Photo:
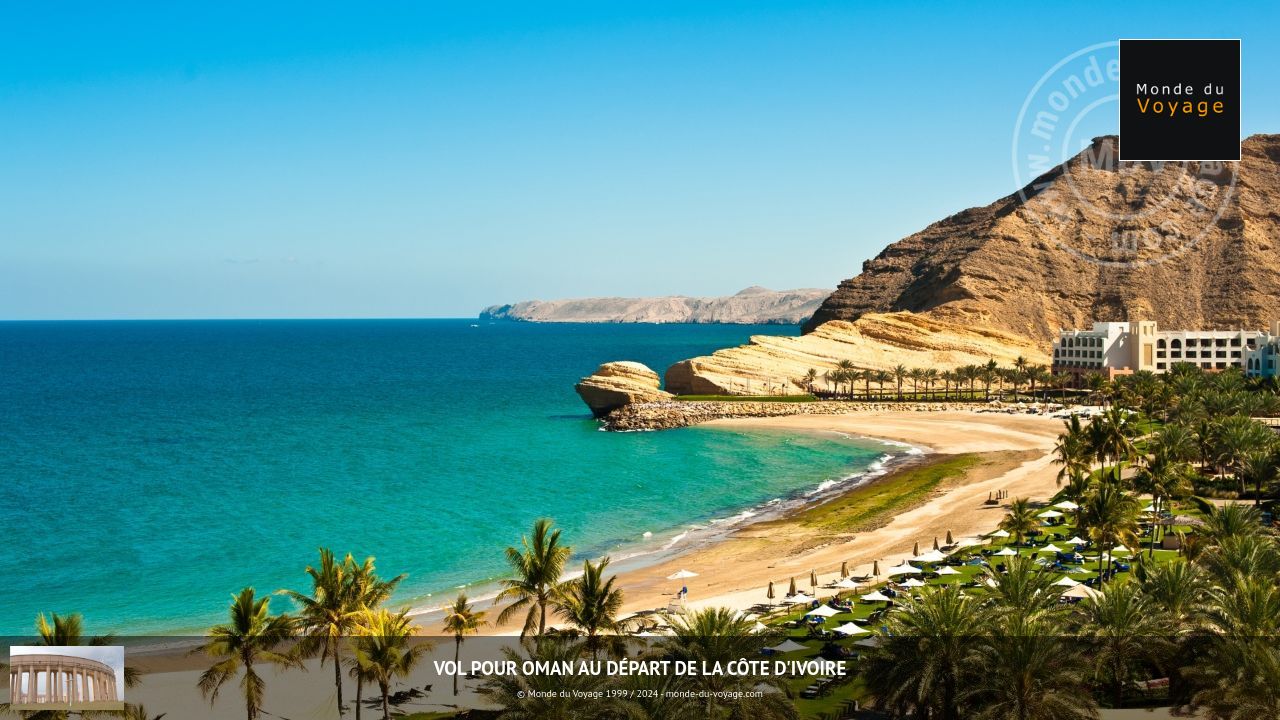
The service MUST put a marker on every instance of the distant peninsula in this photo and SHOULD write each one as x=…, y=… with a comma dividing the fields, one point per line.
x=754, y=305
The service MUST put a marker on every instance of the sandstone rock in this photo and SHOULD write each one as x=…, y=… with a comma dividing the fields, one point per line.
x=1019, y=265
x=616, y=384
x=770, y=365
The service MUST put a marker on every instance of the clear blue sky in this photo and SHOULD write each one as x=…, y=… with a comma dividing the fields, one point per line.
x=428, y=158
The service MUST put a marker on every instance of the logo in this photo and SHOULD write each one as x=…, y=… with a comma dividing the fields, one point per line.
x=1077, y=193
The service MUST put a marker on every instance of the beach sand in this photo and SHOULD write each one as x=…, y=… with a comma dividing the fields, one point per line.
x=735, y=570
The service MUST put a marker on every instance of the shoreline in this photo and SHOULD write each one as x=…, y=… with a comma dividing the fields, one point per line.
x=735, y=570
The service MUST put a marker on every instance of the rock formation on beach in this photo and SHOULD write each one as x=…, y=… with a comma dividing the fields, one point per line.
x=770, y=364
x=615, y=384
x=1020, y=264
x=750, y=306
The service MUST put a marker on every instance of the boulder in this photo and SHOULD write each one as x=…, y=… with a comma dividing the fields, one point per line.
x=615, y=384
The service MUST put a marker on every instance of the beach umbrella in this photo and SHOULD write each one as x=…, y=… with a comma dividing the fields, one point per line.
x=935, y=542
x=849, y=628
x=1081, y=591
x=1119, y=549
x=681, y=574
x=788, y=646
x=948, y=570
x=1050, y=514
x=769, y=592
x=825, y=611
x=1006, y=552
x=1066, y=582
x=759, y=627
x=1050, y=548
x=999, y=534
x=913, y=583
x=949, y=540
x=844, y=568
x=1067, y=505
x=1078, y=541
x=875, y=568
x=800, y=599
x=932, y=556
x=876, y=596
x=813, y=578
x=916, y=550
x=903, y=569
x=848, y=584
x=792, y=590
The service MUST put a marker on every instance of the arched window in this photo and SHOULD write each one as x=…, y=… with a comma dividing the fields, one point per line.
x=1160, y=343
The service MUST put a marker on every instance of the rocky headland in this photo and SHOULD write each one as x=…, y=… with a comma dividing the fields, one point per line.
x=754, y=305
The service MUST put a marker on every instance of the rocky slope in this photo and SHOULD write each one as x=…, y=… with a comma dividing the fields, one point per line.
x=770, y=364
x=752, y=305
x=1093, y=241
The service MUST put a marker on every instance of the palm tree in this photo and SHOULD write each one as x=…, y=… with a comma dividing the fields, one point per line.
x=461, y=620
x=252, y=636
x=591, y=603
x=882, y=378
x=1072, y=450
x=1111, y=437
x=1233, y=520
x=1110, y=514
x=1020, y=520
x=718, y=636
x=1125, y=629
x=1025, y=670
x=139, y=712
x=900, y=373
x=1024, y=586
x=385, y=650
x=1260, y=469
x=339, y=589
x=538, y=565
x=1165, y=480
x=810, y=378
x=919, y=667
x=1235, y=438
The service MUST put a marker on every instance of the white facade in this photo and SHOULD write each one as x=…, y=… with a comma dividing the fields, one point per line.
x=1113, y=348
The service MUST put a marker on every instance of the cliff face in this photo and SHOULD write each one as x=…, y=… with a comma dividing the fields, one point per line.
x=753, y=305
x=771, y=364
x=1020, y=264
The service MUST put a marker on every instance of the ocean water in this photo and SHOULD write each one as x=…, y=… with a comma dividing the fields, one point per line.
x=148, y=470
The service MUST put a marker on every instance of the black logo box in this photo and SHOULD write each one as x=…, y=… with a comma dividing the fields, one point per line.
x=1187, y=68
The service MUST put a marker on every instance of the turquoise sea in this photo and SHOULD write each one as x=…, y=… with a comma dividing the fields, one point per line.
x=148, y=470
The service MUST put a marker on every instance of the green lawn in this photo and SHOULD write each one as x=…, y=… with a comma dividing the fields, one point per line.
x=900, y=490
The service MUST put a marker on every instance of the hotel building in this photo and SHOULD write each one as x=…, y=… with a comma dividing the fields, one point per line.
x=1122, y=348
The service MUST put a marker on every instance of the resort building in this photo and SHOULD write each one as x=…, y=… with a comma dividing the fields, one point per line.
x=1121, y=348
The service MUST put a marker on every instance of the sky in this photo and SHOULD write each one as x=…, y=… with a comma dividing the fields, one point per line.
x=426, y=159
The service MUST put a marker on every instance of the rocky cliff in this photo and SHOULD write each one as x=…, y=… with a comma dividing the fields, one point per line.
x=770, y=364
x=1090, y=240
x=752, y=305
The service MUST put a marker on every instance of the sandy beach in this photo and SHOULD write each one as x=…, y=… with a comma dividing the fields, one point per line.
x=735, y=570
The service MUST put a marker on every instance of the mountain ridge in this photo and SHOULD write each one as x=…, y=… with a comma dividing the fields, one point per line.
x=1054, y=255
x=752, y=305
